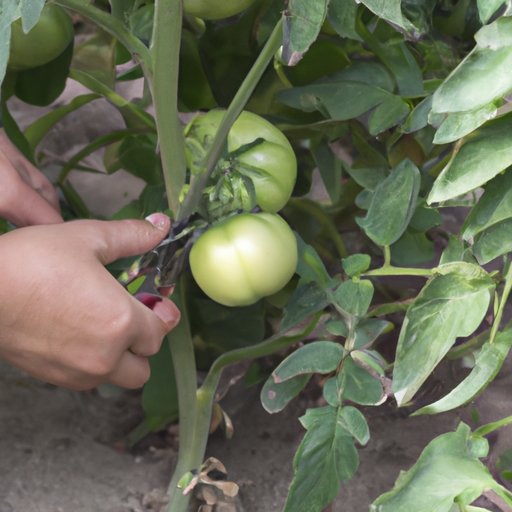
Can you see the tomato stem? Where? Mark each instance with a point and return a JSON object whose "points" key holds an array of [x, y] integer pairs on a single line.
{"points": [[503, 300], [390, 270], [165, 50], [236, 106]]}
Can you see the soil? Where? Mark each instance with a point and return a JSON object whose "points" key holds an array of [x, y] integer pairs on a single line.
{"points": [[62, 451]]}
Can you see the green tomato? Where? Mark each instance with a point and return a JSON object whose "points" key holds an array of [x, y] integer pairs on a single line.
{"points": [[215, 9], [274, 158], [49, 37], [244, 258]]}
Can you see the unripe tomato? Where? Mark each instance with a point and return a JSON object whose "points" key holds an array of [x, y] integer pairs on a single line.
{"points": [[274, 158], [49, 37], [215, 9], [244, 258]]}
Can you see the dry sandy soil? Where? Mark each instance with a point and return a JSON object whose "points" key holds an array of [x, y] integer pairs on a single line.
{"points": [[59, 450]]}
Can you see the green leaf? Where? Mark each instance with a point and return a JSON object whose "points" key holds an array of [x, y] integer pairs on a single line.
{"points": [[302, 23], [482, 77], [325, 458], [452, 304], [460, 124], [369, 329], [355, 384], [390, 10], [276, 396], [330, 169], [353, 420], [356, 264], [392, 205], [310, 266], [486, 8], [496, 35], [412, 249], [354, 297], [479, 160], [316, 357], [487, 365], [418, 118], [306, 300], [493, 242], [342, 16], [446, 472], [494, 206], [388, 114]]}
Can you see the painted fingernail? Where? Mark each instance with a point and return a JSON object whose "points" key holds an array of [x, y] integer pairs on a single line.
{"points": [[159, 220], [148, 299]]}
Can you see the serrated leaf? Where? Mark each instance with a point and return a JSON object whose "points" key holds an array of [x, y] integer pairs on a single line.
{"points": [[392, 205], [460, 124], [493, 242], [302, 23], [494, 206], [316, 357], [479, 160], [276, 396], [354, 297], [482, 77], [487, 365], [325, 458], [446, 472], [452, 304]]}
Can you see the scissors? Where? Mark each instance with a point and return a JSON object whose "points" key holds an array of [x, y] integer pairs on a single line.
{"points": [[163, 265]]}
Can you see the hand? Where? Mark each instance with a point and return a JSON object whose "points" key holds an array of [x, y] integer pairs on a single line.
{"points": [[64, 319], [26, 196]]}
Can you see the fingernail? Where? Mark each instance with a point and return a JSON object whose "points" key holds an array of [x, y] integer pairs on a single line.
{"points": [[148, 299], [159, 220], [167, 312]]}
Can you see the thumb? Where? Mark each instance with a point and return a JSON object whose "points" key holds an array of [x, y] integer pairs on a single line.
{"points": [[123, 238]]}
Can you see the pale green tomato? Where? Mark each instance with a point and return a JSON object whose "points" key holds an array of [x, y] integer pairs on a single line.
{"points": [[215, 9], [274, 157], [49, 37], [244, 258]]}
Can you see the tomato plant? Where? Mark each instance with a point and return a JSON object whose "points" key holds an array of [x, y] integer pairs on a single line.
{"points": [[244, 258], [270, 163], [212, 10], [381, 133], [45, 41]]}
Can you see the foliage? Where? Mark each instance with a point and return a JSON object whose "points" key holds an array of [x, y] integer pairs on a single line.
{"points": [[398, 115]]}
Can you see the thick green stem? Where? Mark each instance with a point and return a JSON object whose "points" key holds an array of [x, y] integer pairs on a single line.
{"points": [[114, 27], [165, 50], [235, 108], [501, 308]]}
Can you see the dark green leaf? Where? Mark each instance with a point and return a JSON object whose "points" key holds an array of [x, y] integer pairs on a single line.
{"points": [[452, 304], [412, 249], [354, 297], [425, 218], [487, 365], [494, 206], [342, 16], [356, 264], [302, 23], [446, 472], [310, 267], [388, 114], [306, 300], [456, 250], [479, 160], [316, 357], [276, 396], [355, 384], [369, 329], [330, 169], [389, 10], [493, 242], [393, 204], [353, 421], [418, 118], [325, 458]]}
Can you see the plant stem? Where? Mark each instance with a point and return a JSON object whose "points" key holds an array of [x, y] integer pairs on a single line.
{"points": [[501, 307], [115, 28], [387, 256], [236, 106], [390, 270], [165, 50]]}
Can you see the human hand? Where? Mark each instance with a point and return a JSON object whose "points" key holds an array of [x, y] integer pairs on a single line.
{"points": [[64, 319], [26, 196]]}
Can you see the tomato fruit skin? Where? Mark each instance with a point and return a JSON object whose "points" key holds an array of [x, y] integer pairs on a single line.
{"points": [[49, 37], [244, 258], [215, 9], [274, 157]]}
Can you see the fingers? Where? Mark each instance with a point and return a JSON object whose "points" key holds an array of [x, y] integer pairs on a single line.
{"points": [[122, 238], [132, 371]]}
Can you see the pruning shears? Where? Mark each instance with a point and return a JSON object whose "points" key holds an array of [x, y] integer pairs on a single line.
{"points": [[163, 265]]}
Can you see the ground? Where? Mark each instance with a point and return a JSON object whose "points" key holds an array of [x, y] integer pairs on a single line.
{"points": [[61, 451]]}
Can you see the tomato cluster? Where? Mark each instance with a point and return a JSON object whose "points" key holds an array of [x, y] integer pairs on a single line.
{"points": [[49, 37], [246, 257]]}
